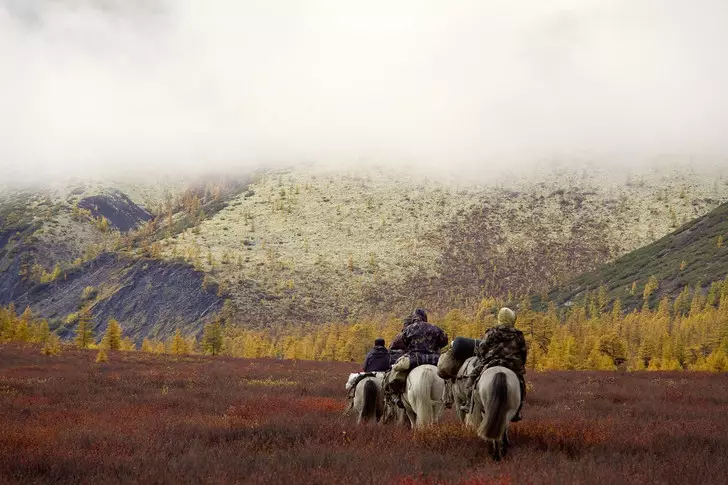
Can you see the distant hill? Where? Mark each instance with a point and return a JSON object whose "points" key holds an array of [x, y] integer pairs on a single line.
{"points": [[695, 254], [309, 245], [325, 245], [85, 245]]}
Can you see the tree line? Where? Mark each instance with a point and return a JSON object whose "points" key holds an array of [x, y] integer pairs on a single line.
{"points": [[687, 332]]}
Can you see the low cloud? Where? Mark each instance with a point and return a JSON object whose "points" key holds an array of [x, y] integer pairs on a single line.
{"points": [[117, 86]]}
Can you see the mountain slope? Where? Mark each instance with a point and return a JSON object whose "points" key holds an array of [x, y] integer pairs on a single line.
{"points": [[317, 245], [151, 298], [65, 248], [694, 254], [312, 245]]}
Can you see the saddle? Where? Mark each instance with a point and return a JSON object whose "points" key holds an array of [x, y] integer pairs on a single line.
{"points": [[396, 378], [357, 377]]}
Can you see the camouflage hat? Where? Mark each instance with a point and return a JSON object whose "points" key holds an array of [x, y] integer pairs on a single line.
{"points": [[506, 317], [407, 320]]}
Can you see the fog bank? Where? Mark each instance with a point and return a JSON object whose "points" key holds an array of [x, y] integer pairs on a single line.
{"points": [[117, 86]]}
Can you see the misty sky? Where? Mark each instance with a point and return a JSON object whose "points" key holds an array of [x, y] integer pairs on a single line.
{"points": [[92, 86]]}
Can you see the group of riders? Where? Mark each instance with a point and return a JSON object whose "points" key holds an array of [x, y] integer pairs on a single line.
{"points": [[420, 342]]}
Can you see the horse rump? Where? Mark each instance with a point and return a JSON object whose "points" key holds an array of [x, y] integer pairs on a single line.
{"points": [[424, 394]]}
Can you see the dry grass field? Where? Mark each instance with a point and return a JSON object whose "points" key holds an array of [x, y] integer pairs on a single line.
{"points": [[142, 418]]}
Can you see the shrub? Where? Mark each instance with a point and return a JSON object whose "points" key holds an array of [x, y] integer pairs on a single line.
{"points": [[52, 345], [89, 293], [102, 356]]}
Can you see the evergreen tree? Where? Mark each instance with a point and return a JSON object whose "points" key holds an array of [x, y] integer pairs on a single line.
{"points": [[212, 338], [613, 347], [7, 324], [682, 302], [617, 310], [127, 344], [602, 298], [650, 288], [44, 332], [178, 345], [52, 345], [159, 348], [698, 301], [147, 346], [112, 337], [84, 329]]}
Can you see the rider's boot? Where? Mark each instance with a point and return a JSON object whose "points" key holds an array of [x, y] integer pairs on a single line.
{"points": [[349, 401], [518, 415]]}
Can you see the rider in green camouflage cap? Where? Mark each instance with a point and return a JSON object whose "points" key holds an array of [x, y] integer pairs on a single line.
{"points": [[502, 345]]}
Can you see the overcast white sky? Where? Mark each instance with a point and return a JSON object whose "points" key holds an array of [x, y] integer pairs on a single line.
{"points": [[90, 86]]}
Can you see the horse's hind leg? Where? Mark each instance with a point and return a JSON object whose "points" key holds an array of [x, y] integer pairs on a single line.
{"points": [[495, 449], [412, 418], [506, 443]]}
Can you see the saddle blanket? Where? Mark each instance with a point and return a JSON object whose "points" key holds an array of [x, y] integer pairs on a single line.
{"points": [[355, 377]]}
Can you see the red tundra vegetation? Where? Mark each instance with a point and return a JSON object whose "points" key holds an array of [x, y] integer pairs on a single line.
{"points": [[143, 418]]}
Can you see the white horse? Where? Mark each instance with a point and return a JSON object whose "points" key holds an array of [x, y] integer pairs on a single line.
{"points": [[423, 397], [369, 399], [497, 397]]}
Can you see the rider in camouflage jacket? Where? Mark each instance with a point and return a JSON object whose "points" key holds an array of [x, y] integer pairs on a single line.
{"points": [[420, 338], [502, 345], [422, 342]]}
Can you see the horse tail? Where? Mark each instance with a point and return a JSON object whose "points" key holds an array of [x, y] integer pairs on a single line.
{"points": [[497, 408], [424, 406], [369, 410]]}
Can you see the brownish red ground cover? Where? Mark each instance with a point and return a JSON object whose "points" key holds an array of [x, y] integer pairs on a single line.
{"points": [[143, 418]]}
